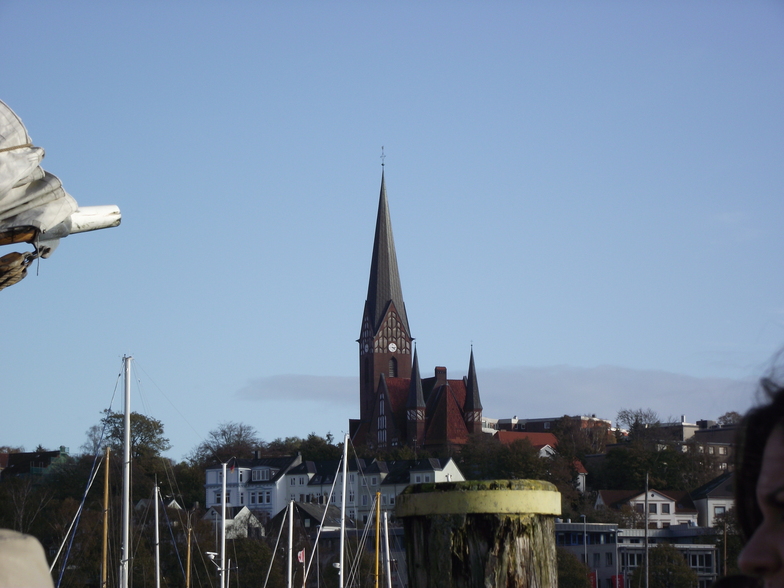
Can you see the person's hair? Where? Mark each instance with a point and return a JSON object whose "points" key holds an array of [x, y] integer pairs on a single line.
{"points": [[753, 433]]}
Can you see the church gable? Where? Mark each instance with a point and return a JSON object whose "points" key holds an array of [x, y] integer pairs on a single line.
{"points": [[392, 336], [445, 418], [384, 431]]}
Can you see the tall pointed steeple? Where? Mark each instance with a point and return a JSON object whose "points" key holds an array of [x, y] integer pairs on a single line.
{"points": [[385, 338], [473, 405], [384, 284]]}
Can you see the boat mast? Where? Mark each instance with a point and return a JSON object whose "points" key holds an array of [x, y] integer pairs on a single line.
{"points": [[223, 531], [343, 511], [126, 486], [378, 532], [105, 539], [291, 544], [156, 496], [386, 543]]}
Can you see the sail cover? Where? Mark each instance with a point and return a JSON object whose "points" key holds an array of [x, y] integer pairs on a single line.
{"points": [[34, 206]]}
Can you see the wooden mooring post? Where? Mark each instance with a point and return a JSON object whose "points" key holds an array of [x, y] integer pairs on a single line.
{"points": [[480, 534]]}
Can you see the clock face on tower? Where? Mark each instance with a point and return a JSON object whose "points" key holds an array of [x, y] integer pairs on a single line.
{"points": [[366, 347], [392, 347]]}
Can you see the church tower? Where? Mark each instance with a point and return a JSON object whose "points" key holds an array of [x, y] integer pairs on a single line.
{"points": [[385, 337]]}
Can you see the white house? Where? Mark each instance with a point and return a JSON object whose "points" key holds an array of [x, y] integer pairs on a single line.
{"points": [[258, 484], [665, 508], [713, 499], [266, 486]]}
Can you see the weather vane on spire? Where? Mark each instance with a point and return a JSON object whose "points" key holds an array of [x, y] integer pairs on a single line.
{"points": [[382, 156]]}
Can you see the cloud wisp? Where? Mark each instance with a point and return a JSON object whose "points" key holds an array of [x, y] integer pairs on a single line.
{"points": [[540, 392]]}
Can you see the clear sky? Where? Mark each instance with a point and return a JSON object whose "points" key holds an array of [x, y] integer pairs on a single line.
{"points": [[592, 193]]}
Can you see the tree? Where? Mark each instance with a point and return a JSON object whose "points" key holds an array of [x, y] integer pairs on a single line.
{"points": [[572, 573], [147, 438], [729, 418], [575, 442], [95, 441], [668, 569], [728, 531], [643, 425], [229, 440]]}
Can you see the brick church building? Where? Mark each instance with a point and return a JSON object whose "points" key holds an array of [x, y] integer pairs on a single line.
{"points": [[397, 406]]}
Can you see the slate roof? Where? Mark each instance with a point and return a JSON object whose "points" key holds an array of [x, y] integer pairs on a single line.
{"points": [[617, 498], [281, 464], [721, 487], [384, 284]]}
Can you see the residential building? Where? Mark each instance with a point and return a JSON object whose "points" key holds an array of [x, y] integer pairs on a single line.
{"points": [[34, 464], [396, 405], [266, 486], [714, 499], [545, 425], [613, 553], [257, 483], [241, 522], [665, 508], [546, 444]]}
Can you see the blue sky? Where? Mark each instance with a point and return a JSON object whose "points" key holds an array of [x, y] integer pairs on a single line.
{"points": [[590, 193]]}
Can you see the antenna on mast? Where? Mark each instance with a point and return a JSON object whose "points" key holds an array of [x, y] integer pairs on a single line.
{"points": [[382, 156]]}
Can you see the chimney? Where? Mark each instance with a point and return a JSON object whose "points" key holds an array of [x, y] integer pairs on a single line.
{"points": [[440, 376]]}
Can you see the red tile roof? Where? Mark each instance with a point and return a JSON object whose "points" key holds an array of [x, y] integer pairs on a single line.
{"points": [[538, 440]]}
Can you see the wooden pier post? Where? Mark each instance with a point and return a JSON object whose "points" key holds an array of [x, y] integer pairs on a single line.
{"points": [[481, 534]]}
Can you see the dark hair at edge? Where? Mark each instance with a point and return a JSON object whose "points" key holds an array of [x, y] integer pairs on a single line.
{"points": [[753, 433]]}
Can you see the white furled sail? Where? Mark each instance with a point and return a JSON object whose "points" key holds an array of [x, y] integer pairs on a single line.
{"points": [[34, 207]]}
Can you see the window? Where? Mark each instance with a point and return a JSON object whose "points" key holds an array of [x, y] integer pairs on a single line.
{"points": [[652, 508], [351, 497], [253, 498], [374, 481], [710, 449], [302, 481], [597, 560], [639, 507], [392, 367], [217, 497], [392, 499], [364, 500], [242, 498], [418, 479], [547, 425], [718, 510], [383, 499], [260, 475], [666, 508], [267, 497], [351, 478], [608, 558], [722, 451], [427, 478], [228, 496], [293, 481]]}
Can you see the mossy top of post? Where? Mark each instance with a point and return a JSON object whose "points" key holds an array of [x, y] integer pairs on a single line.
{"points": [[480, 496]]}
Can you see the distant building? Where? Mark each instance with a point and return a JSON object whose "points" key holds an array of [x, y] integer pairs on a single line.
{"points": [[665, 508], [397, 406], [266, 486], [34, 464], [714, 499], [544, 425], [615, 552], [241, 522]]}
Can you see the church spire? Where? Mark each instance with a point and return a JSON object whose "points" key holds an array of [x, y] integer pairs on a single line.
{"points": [[473, 405], [416, 398], [384, 284]]}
